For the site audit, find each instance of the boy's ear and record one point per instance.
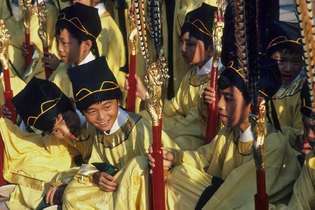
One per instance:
(87, 44)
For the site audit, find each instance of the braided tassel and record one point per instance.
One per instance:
(305, 14)
(141, 28)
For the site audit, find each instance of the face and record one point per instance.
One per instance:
(102, 115)
(193, 50)
(233, 110)
(61, 130)
(289, 69)
(69, 48)
(309, 131)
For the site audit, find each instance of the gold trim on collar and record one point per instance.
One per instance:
(102, 89)
(35, 118)
(80, 27)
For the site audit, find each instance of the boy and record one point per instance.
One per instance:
(286, 50)
(31, 160)
(119, 136)
(197, 49)
(227, 163)
(76, 41)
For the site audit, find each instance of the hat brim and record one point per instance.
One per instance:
(97, 97)
(285, 45)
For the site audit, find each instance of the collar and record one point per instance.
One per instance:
(122, 117)
(87, 59)
(247, 135)
(100, 8)
(206, 68)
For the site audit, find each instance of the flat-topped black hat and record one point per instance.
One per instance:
(40, 102)
(84, 19)
(199, 23)
(93, 82)
(284, 35)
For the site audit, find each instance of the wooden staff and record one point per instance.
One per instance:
(155, 79)
(213, 118)
(27, 11)
(42, 32)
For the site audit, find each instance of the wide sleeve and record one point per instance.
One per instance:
(175, 105)
(239, 187)
(303, 197)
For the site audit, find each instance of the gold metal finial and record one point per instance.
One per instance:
(27, 12)
(42, 19)
(4, 44)
(260, 133)
(155, 79)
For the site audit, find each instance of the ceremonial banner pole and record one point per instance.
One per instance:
(42, 32)
(155, 80)
(8, 93)
(213, 117)
(247, 41)
(131, 96)
(27, 11)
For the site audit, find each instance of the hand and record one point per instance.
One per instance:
(105, 181)
(168, 159)
(5, 112)
(51, 61)
(54, 195)
(209, 95)
(141, 90)
(28, 50)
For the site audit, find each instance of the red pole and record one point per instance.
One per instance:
(157, 177)
(261, 198)
(8, 94)
(29, 49)
(213, 119)
(131, 97)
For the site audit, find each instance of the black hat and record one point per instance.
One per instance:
(93, 82)
(84, 19)
(284, 35)
(199, 23)
(40, 102)
(233, 76)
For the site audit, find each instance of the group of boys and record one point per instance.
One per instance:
(76, 147)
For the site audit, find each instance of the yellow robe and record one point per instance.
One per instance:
(30, 162)
(180, 67)
(303, 197)
(287, 102)
(181, 115)
(231, 161)
(132, 139)
(111, 45)
(61, 78)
